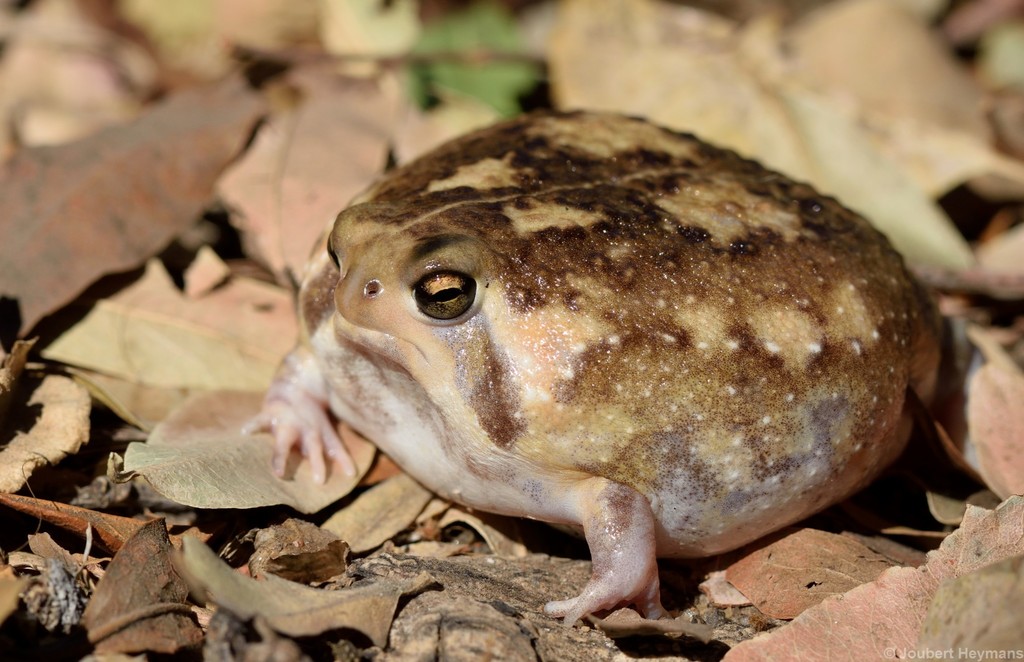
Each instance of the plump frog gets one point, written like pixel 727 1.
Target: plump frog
pixel 590 320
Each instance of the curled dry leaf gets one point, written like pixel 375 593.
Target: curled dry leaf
pixel 379 513
pixel 294 609
pixel 123 212
pixel 298 551
pixel 232 338
pixel 888 613
pixel 50 423
pixel 140 604
pixel 801 569
pixel 199 457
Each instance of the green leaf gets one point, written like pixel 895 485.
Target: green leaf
pixel 488 31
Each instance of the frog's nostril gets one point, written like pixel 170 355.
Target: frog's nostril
pixel 372 289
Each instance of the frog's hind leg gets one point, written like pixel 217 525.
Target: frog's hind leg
pixel 620 530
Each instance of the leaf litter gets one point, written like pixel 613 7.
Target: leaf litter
pixel 898 131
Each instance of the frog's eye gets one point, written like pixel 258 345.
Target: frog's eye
pixel 444 295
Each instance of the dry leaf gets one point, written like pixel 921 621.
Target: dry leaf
pixel 122 212
pixel 499 532
pixel 294 609
pixel 628 623
pixel 720 592
pixel 368 27
pixel 197 35
pixel 298 551
pixel 379 513
pixel 136 404
pixel 11 368
pixel 112 531
pixel 888 613
pixel 53 424
pixel 306 166
pixel 801 569
pixel 977 612
pixel 150 333
pixel 734 86
pixel 995 421
pixel 199 457
pixel 206 272
pixel 10 595
pixel 890 60
pixel 140 604
pixel 62 77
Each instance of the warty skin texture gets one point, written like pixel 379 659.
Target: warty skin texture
pixel 668 346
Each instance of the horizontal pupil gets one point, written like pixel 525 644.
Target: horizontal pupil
pixel 446 294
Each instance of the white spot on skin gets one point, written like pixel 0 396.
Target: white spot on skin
pixel 875 335
pixel 732 344
pixel 766 420
pixel 772 347
pixel 856 347
pixel 702 345
pixel 730 389
pixel 699 417
pixel 814 348
pixel 790 397
pixel 667 337
pixel 614 340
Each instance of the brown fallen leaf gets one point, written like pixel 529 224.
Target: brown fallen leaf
pixel 199 457
pixel 379 513
pixel 888 613
pixel 305 166
pixel 298 551
pixel 140 604
pixel 801 569
pixel 977 612
pixel 122 212
pixel 294 609
pixel 112 531
pixel 233 338
pixel 52 423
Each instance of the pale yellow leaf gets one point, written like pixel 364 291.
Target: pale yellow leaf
pixel 369 27
pixel 200 457
pixel 152 334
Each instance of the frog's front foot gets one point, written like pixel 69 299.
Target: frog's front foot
pixel 295 412
pixel 619 527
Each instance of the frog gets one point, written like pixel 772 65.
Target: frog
pixel 591 320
